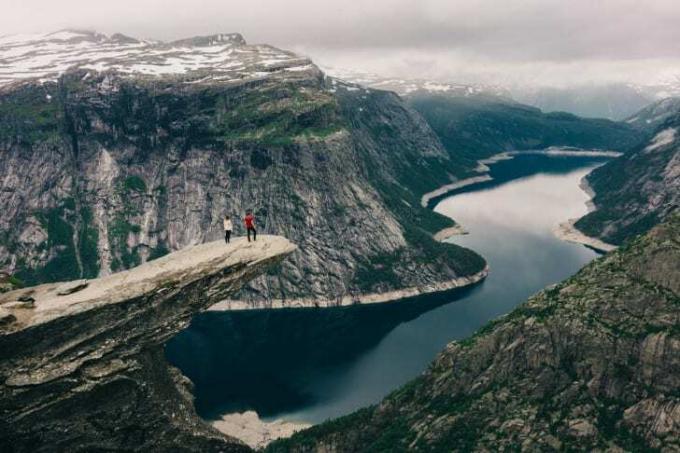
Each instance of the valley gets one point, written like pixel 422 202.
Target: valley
pixel 526 260
pixel 307 365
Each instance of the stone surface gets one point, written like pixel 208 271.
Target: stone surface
pixel 256 433
pixel 568 232
pixel 86 370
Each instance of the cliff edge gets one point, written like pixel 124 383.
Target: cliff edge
pixel 82 364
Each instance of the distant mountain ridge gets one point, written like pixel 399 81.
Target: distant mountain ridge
pixel 410 86
pixel 475 127
pixel 614 101
pixel 475 122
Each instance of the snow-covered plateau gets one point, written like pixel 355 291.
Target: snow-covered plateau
pixel 216 58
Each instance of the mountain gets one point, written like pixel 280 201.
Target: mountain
pixel 641 188
pixel 116 151
pixel 476 122
pixel 408 86
pixel 655 114
pixel 615 101
pixel 201 60
pixel 82 365
pixel 478 126
pixel 591 364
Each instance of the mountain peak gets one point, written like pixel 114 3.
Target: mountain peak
pixel 218 58
pixel 211 40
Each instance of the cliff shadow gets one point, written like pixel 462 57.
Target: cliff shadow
pixel 260 359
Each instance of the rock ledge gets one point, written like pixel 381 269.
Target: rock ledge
pixel 82 365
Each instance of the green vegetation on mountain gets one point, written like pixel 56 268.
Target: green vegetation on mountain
pixel 478 126
pixel 590 364
pixel 337 169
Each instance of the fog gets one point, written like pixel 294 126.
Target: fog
pixel 535 41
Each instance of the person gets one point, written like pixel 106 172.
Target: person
pixel 249 220
pixel 228 226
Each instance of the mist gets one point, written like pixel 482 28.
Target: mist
pixel 536 42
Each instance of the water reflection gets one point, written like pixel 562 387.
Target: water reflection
pixel 309 365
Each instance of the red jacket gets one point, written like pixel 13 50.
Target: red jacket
pixel 249 221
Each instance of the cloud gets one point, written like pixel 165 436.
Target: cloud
pixel 451 36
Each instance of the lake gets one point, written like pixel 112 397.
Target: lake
pixel 313 364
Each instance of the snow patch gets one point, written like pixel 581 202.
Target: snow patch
pixel 663 138
pixel 225 57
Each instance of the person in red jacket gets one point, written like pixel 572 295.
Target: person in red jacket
pixel 249 220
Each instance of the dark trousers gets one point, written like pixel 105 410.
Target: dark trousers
pixel 254 234
pixel 227 236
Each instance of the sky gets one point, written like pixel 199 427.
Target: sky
pixel 545 42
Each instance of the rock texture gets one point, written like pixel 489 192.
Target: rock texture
pixel 82 366
pixel 592 364
pixel 107 166
pixel 641 188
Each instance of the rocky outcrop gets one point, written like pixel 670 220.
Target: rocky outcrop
pixel 106 167
pixel 82 366
pixel 638 190
pixel 591 364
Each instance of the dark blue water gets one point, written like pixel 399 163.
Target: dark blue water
pixel 313 364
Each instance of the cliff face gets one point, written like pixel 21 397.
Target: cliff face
pixel 592 363
pixel 82 366
pixel 106 168
pixel 639 189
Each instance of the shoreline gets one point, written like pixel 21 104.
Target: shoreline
pixel 456 230
pixel 567 231
pixel 425 199
pixel 483 167
pixel 352 300
pixel 250 429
